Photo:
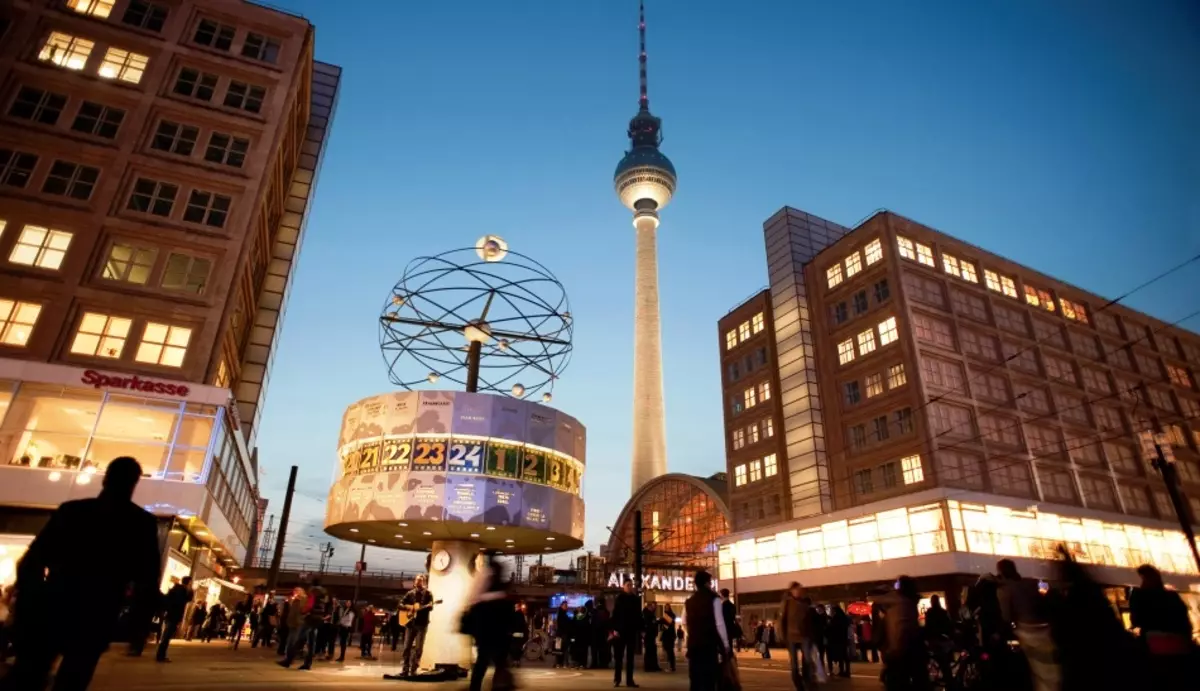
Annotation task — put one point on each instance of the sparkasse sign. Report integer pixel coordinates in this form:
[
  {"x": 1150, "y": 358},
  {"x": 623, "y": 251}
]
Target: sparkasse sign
[{"x": 99, "y": 380}]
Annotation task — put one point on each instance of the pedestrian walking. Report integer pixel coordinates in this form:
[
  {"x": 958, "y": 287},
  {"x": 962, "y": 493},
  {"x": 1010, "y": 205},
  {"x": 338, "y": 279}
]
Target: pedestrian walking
[
  {"x": 838, "y": 642},
  {"x": 490, "y": 617},
  {"x": 667, "y": 624},
  {"x": 174, "y": 604},
  {"x": 650, "y": 627},
  {"x": 268, "y": 621},
  {"x": 562, "y": 635},
  {"x": 240, "y": 612},
  {"x": 366, "y": 633},
  {"x": 1161, "y": 618},
  {"x": 796, "y": 627},
  {"x": 626, "y": 626},
  {"x": 708, "y": 646},
  {"x": 601, "y": 651},
  {"x": 199, "y": 615},
  {"x": 904, "y": 658},
  {"x": 345, "y": 624}
]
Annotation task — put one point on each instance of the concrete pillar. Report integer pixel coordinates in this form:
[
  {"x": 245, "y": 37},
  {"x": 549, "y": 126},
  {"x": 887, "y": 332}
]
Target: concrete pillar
[
  {"x": 649, "y": 424},
  {"x": 444, "y": 645}
]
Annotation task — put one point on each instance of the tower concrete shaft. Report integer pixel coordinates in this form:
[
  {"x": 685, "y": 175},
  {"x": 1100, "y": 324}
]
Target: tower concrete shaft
[{"x": 649, "y": 422}]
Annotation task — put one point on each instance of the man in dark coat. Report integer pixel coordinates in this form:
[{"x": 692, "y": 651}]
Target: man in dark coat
[
  {"x": 626, "y": 625},
  {"x": 650, "y": 628},
  {"x": 78, "y": 569},
  {"x": 174, "y": 603},
  {"x": 708, "y": 641}
]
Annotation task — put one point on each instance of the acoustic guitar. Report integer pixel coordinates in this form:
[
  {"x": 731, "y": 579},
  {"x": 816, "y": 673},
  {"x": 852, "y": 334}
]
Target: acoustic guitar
[{"x": 409, "y": 612}]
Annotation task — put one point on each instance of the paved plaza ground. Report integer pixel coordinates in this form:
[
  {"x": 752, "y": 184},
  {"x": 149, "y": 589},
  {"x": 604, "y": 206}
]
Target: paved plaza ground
[{"x": 215, "y": 666}]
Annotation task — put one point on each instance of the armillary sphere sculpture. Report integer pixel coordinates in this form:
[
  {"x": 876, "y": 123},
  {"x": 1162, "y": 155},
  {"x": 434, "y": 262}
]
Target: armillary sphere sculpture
[{"x": 485, "y": 317}]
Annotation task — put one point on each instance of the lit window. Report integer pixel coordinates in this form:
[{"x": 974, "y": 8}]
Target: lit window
[
  {"x": 845, "y": 351},
  {"x": 950, "y": 265},
  {"x": 743, "y": 331},
  {"x": 874, "y": 384},
  {"x": 731, "y": 339},
  {"x": 925, "y": 255},
  {"x": 770, "y": 465},
  {"x": 1073, "y": 310},
  {"x": 129, "y": 263},
  {"x": 66, "y": 51},
  {"x": 968, "y": 271},
  {"x": 1000, "y": 284},
  {"x": 1046, "y": 300},
  {"x": 757, "y": 323},
  {"x": 874, "y": 251},
  {"x": 40, "y": 247},
  {"x": 887, "y": 331},
  {"x": 752, "y": 432},
  {"x": 866, "y": 342},
  {"x": 739, "y": 439},
  {"x": 755, "y": 470},
  {"x": 1031, "y": 296},
  {"x": 750, "y": 397},
  {"x": 17, "y": 320},
  {"x": 853, "y": 264},
  {"x": 764, "y": 391},
  {"x": 906, "y": 248},
  {"x": 896, "y": 377},
  {"x": 768, "y": 427},
  {"x": 101, "y": 335},
  {"x": 1179, "y": 376},
  {"x": 739, "y": 475},
  {"x": 95, "y": 8},
  {"x": 163, "y": 345},
  {"x": 911, "y": 466},
  {"x": 123, "y": 65},
  {"x": 833, "y": 275}
]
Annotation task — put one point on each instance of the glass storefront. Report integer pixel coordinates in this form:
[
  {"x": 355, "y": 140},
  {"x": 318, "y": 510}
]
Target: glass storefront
[
  {"x": 12, "y": 548},
  {"x": 682, "y": 522}
]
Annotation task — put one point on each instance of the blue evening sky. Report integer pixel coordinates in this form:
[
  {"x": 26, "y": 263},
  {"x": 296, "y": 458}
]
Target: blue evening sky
[{"x": 1062, "y": 134}]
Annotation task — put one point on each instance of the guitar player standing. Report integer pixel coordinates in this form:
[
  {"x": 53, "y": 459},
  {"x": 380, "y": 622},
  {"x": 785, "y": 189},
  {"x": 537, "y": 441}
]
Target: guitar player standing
[{"x": 417, "y": 603}]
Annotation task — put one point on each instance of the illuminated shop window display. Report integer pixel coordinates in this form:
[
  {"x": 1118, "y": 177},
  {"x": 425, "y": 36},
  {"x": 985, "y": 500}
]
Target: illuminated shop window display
[
  {"x": 12, "y": 548},
  {"x": 976, "y": 529}
]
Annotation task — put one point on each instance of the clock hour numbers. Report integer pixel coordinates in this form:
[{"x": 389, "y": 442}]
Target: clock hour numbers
[
  {"x": 429, "y": 454},
  {"x": 397, "y": 452},
  {"x": 555, "y": 478},
  {"x": 502, "y": 460},
  {"x": 570, "y": 479},
  {"x": 368, "y": 457},
  {"x": 533, "y": 469},
  {"x": 466, "y": 457},
  {"x": 350, "y": 464}
]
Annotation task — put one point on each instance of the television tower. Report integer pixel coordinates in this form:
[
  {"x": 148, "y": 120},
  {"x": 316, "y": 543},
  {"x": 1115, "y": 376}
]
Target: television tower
[{"x": 645, "y": 181}]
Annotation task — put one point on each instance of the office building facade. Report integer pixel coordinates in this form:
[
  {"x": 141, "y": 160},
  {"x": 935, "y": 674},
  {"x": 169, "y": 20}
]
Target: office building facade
[{"x": 157, "y": 161}]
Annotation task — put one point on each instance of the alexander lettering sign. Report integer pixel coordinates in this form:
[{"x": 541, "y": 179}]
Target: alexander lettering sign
[
  {"x": 99, "y": 380},
  {"x": 656, "y": 581}
]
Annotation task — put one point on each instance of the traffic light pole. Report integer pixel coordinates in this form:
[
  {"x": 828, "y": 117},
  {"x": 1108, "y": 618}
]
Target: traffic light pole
[
  {"x": 639, "y": 548},
  {"x": 273, "y": 572}
]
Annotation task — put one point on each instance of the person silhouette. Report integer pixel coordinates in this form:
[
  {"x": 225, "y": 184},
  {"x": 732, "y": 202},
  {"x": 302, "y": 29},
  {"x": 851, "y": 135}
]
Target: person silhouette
[{"x": 78, "y": 569}]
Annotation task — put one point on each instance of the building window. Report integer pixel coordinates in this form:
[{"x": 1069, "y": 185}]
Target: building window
[
  {"x": 858, "y": 437},
  {"x": 770, "y": 465},
  {"x": 731, "y": 339},
  {"x": 750, "y": 397},
  {"x": 1108, "y": 419},
  {"x": 245, "y": 96},
  {"x": 163, "y": 345},
  {"x": 739, "y": 475},
  {"x": 874, "y": 384},
  {"x": 98, "y": 120},
  {"x": 866, "y": 342},
  {"x": 757, "y": 323},
  {"x": 1000, "y": 284},
  {"x": 66, "y": 51},
  {"x": 904, "y": 421},
  {"x": 992, "y": 387},
  {"x": 896, "y": 376},
  {"x": 852, "y": 393},
  {"x": 736, "y": 405},
  {"x": 16, "y": 167},
  {"x": 743, "y": 331},
  {"x": 768, "y": 428},
  {"x": 227, "y": 150},
  {"x": 862, "y": 482},
  {"x": 1073, "y": 310},
  {"x": 925, "y": 255},
  {"x": 1148, "y": 365},
  {"x": 153, "y": 197},
  {"x": 214, "y": 34},
  {"x": 969, "y": 306},
  {"x": 906, "y": 248},
  {"x": 755, "y": 470},
  {"x": 36, "y": 105},
  {"x": 874, "y": 251},
  {"x": 764, "y": 391},
  {"x": 207, "y": 208},
  {"x": 833, "y": 275},
  {"x": 887, "y": 473},
  {"x": 924, "y": 289},
  {"x": 175, "y": 138},
  {"x": 1011, "y": 321},
  {"x": 123, "y": 65},
  {"x": 40, "y": 247},
  {"x": 845, "y": 351},
  {"x": 94, "y": 8},
  {"x": 860, "y": 303},
  {"x": 1039, "y": 298},
  {"x": 840, "y": 313},
  {"x": 950, "y": 264},
  {"x": 879, "y": 428},
  {"x": 979, "y": 344},
  {"x": 960, "y": 268},
  {"x": 881, "y": 290},
  {"x": 1179, "y": 376},
  {"x": 752, "y": 431},
  {"x": 911, "y": 467},
  {"x": 195, "y": 84},
  {"x": 145, "y": 15},
  {"x": 71, "y": 180},
  {"x": 101, "y": 335},
  {"x": 853, "y": 264},
  {"x": 1085, "y": 344},
  {"x": 17, "y": 320},
  {"x": 259, "y": 47},
  {"x": 129, "y": 263},
  {"x": 1049, "y": 332},
  {"x": 887, "y": 331},
  {"x": 1059, "y": 369}
]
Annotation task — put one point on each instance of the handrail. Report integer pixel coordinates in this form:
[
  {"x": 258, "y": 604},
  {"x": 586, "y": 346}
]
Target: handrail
[{"x": 745, "y": 300}]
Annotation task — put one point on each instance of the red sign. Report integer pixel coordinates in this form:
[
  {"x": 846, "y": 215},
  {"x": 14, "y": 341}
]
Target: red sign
[
  {"x": 360, "y": 566},
  {"x": 859, "y": 609},
  {"x": 97, "y": 380}
]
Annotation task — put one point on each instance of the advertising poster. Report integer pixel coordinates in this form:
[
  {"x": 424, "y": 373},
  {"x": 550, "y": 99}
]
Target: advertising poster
[
  {"x": 502, "y": 502},
  {"x": 536, "y": 506},
  {"x": 401, "y": 413},
  {"x": 510, "y": 419},
  {"x": 349, "y": 424},
  {"x": 542, "y": 424},
  {"x": 429, "y": 453},
  {"x": 466, "y": 455},
  {"x": 503, "y": 460},
  {"x": 465, "y": 498},
  {"x": 372, "y": 416},
  {"x": 389, "y": 501},
  {"x": 472, "y": 414},
  {"x": 435, "y": 411},
  {"x": 426, "y": 494}
]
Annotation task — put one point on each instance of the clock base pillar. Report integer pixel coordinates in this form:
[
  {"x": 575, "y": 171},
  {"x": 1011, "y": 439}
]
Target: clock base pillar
[{"x": 444, "y": 645}]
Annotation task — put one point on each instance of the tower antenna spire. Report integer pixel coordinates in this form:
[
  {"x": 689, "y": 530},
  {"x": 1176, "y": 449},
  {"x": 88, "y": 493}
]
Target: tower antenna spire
[{"x": 644, "y": 99}]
